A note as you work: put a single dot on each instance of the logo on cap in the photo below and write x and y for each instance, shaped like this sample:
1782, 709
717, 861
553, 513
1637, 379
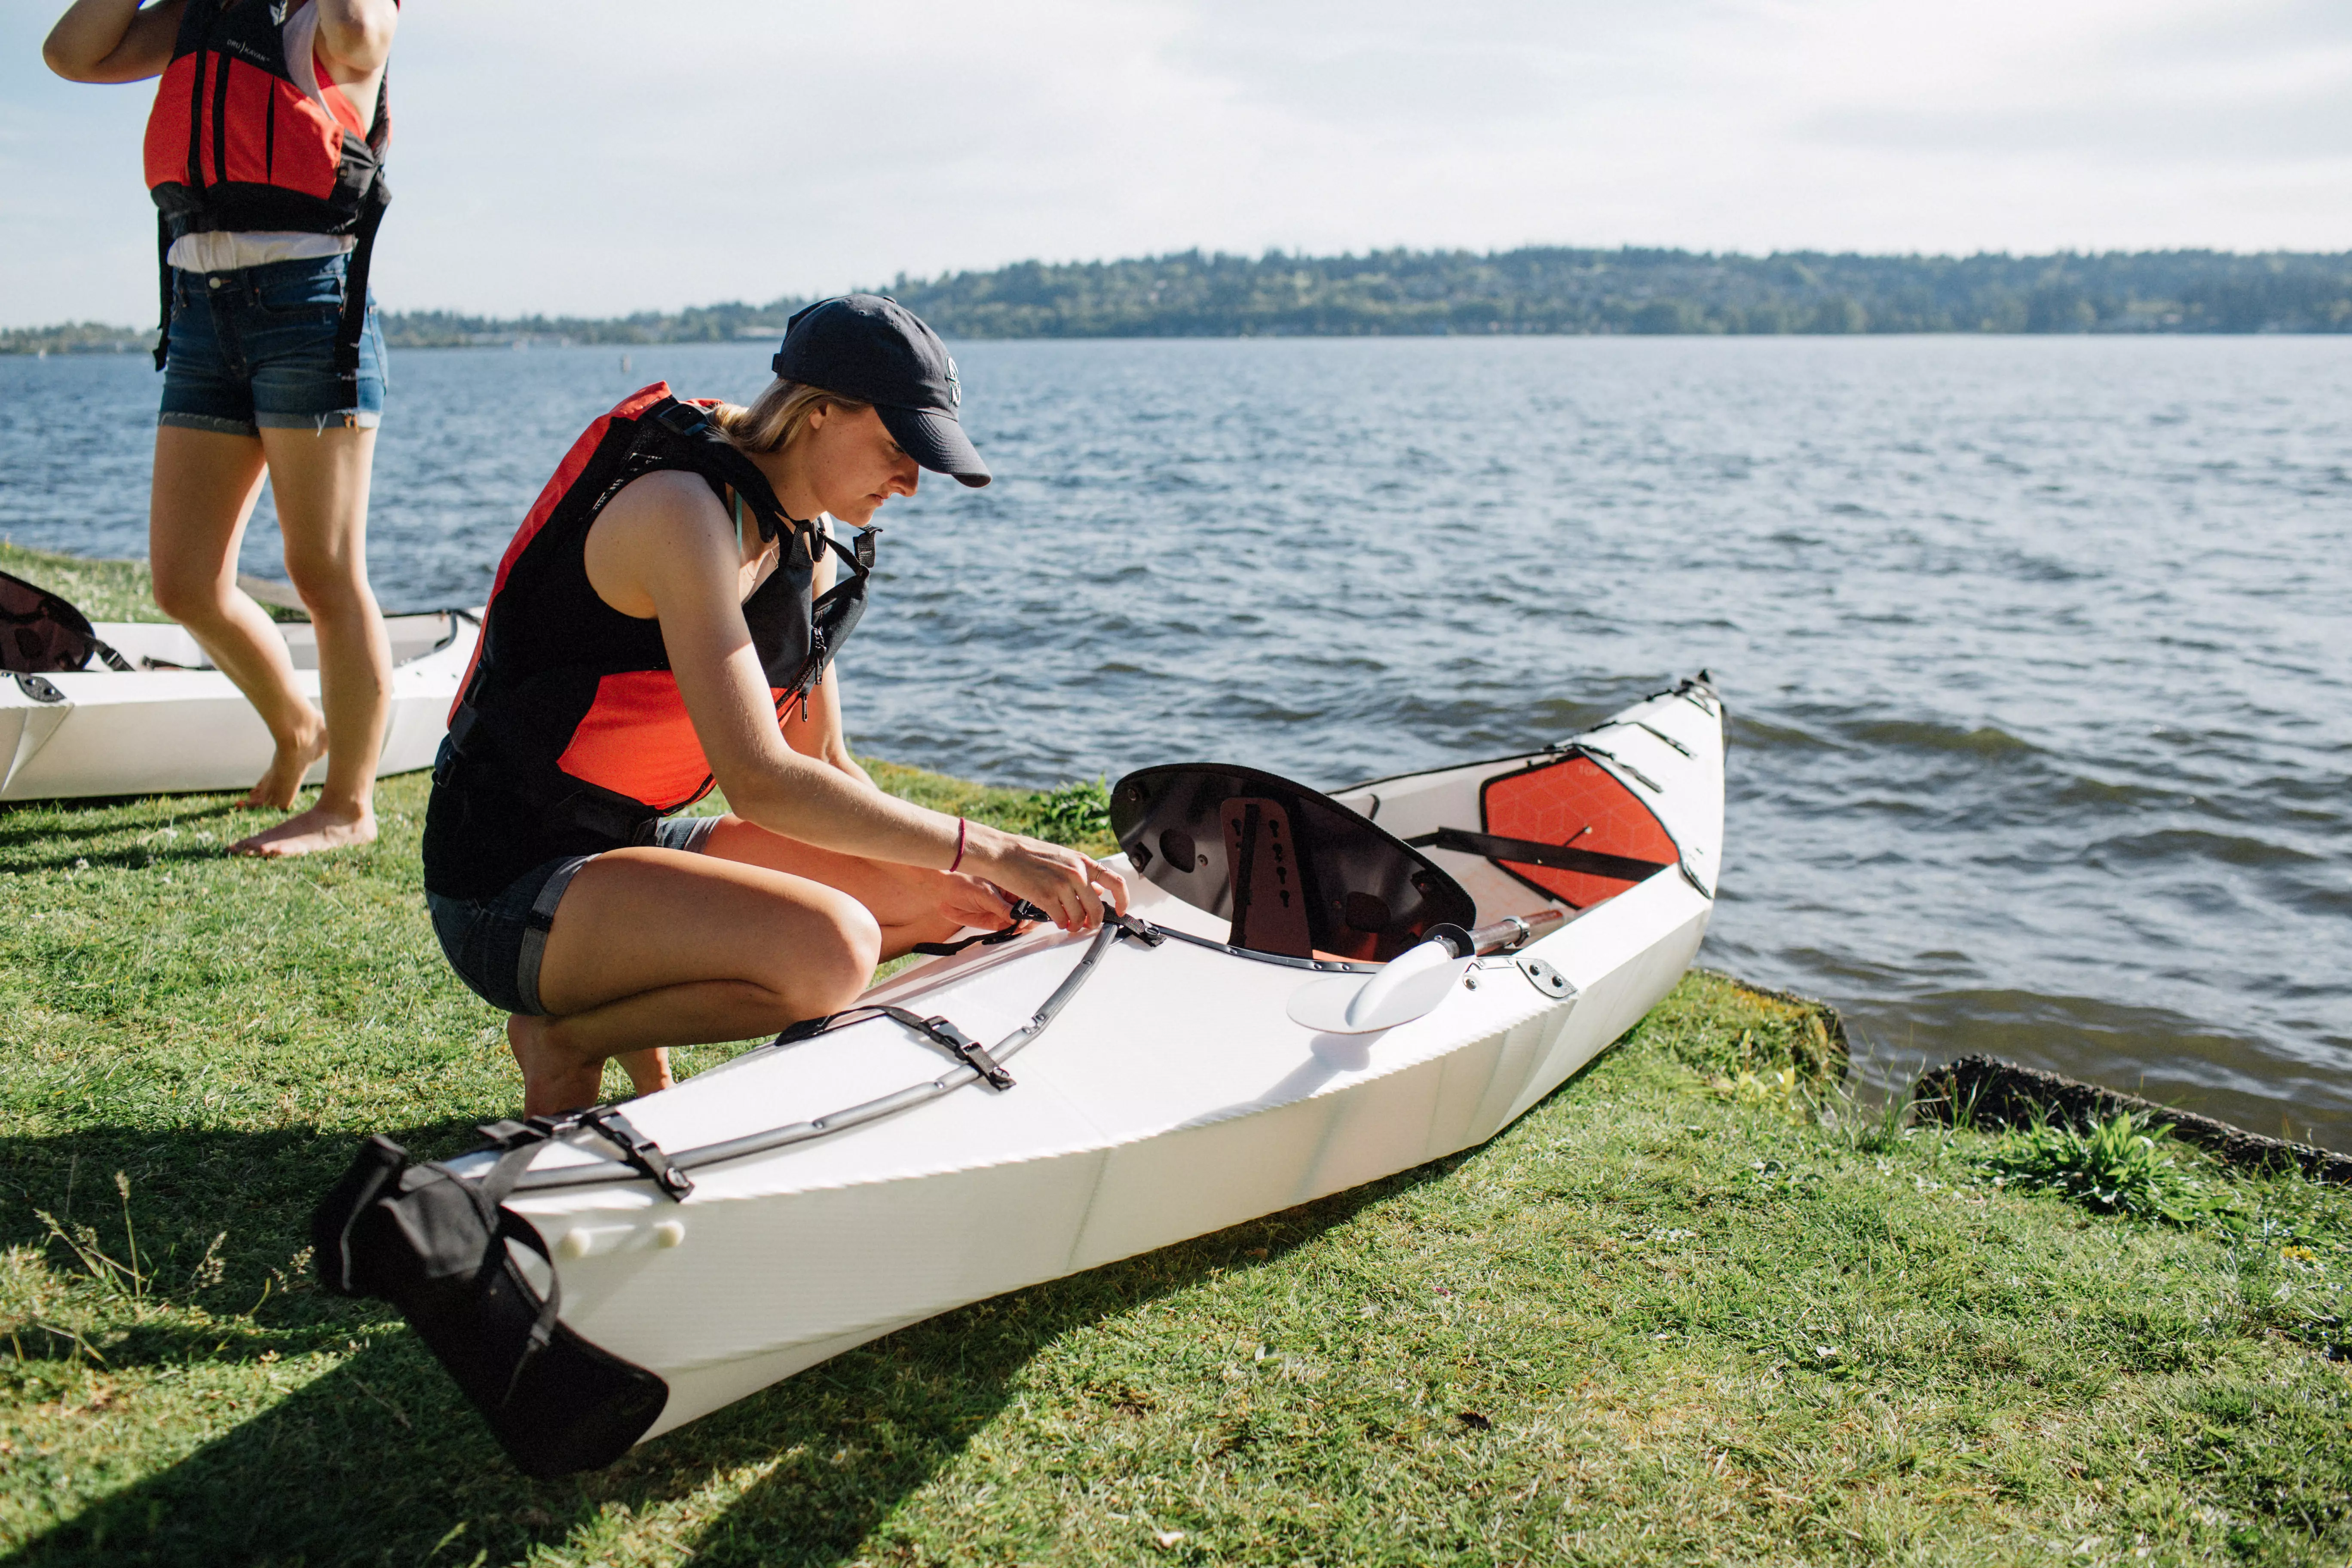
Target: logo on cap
955, 387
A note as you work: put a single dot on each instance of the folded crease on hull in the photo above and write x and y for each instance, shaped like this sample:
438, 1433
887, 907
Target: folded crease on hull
593, 1281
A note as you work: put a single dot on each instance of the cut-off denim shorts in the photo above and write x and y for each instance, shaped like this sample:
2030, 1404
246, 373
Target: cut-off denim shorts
496, 943
253, 349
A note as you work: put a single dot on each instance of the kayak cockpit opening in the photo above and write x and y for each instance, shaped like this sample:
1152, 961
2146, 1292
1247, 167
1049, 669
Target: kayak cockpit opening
1297, 874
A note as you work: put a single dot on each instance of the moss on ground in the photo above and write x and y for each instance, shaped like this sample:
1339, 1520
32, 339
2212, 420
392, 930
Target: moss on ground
1694, 1305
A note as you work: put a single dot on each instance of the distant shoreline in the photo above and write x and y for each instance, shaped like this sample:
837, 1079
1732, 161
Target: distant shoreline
1533, 291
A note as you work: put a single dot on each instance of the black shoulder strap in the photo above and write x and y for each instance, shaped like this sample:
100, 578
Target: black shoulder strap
353, 322
163, 277
719, 461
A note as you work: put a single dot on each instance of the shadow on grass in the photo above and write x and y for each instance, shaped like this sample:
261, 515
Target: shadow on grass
30, 822
380, 1460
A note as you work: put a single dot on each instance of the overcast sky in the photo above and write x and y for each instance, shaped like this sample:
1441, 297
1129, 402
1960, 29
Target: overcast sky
597, 156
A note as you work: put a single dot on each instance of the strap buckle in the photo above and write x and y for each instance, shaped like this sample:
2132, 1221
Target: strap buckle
1136, 927
683, 418
640, 1151
969, 1051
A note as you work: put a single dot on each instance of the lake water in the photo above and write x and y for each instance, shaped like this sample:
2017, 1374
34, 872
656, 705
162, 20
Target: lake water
2037, 649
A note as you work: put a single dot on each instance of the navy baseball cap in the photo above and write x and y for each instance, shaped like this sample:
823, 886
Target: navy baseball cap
874, 349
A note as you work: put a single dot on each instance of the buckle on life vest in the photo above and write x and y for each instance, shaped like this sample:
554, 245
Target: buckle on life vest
683, 418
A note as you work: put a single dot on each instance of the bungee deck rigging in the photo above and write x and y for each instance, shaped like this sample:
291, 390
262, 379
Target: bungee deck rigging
975, 1064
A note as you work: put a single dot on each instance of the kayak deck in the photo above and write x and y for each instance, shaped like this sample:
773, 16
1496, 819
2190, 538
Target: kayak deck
1172, 1096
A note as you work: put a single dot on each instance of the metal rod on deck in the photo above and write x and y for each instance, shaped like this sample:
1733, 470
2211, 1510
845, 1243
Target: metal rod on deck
1515, 930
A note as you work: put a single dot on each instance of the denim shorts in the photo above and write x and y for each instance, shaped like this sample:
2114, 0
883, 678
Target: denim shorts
495, 944
255, 348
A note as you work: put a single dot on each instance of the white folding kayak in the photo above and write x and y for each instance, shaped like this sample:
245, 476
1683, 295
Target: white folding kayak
1291, 1009
171, 724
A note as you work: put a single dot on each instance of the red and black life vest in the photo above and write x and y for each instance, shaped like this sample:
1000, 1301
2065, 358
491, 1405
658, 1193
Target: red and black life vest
569, 735
235, 144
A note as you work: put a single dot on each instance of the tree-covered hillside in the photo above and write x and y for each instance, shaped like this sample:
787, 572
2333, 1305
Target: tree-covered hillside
1563, 291
1536, 290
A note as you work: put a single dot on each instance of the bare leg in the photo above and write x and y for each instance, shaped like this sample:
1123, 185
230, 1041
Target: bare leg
320, 481
653, 947
903, 901
205, 487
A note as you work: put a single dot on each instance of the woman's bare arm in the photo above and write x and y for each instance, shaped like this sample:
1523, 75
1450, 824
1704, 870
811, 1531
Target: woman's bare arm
665, 545
355, 36
112, 40
820, 734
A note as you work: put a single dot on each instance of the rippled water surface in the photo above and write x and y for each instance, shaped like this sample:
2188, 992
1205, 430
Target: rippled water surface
2037, 648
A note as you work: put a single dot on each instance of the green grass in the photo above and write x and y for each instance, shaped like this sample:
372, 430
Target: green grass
1693, 1307
2121, 1166
102, 590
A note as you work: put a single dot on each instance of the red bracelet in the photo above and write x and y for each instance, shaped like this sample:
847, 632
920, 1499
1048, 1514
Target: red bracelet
960, 833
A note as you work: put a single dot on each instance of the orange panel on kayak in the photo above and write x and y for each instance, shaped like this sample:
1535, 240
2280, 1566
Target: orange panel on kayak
1557, 803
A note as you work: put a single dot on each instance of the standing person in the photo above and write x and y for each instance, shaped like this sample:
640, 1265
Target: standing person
663, 621
264, 154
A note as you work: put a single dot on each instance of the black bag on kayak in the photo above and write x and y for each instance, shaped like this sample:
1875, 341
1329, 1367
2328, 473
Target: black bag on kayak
441, 1248
41, 634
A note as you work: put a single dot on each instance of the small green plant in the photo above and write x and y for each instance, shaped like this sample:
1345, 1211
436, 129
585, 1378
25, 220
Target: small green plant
1880, 1134
1076, 812
2121, 1166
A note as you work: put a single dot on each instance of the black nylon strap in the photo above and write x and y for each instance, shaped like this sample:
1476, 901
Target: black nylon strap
949, 949
1526, 852
550, 1306
518, 1142
691, 424
196, 111
1020, 914
355, 293
163, 277
937, 1030
640, 1151
220, 119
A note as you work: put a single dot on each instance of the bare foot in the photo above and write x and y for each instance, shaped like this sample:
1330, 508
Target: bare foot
283, 782
648, 1069
323, 826
553, 1081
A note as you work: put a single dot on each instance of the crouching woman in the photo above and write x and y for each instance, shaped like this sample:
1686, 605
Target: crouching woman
663, 621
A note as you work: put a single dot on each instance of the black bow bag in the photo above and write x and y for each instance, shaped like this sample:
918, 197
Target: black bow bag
41, 634
442, 1249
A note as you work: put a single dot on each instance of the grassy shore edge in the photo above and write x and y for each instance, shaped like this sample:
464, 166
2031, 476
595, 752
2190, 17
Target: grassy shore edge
1694, 1305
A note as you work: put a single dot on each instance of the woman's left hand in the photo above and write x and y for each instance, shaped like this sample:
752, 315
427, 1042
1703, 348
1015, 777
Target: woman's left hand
970, 903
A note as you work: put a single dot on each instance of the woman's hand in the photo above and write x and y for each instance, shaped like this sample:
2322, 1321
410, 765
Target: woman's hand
1059, 880
968, 901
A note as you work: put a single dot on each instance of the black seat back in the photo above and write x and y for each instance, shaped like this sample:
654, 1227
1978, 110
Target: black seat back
41, 634
1295, 872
